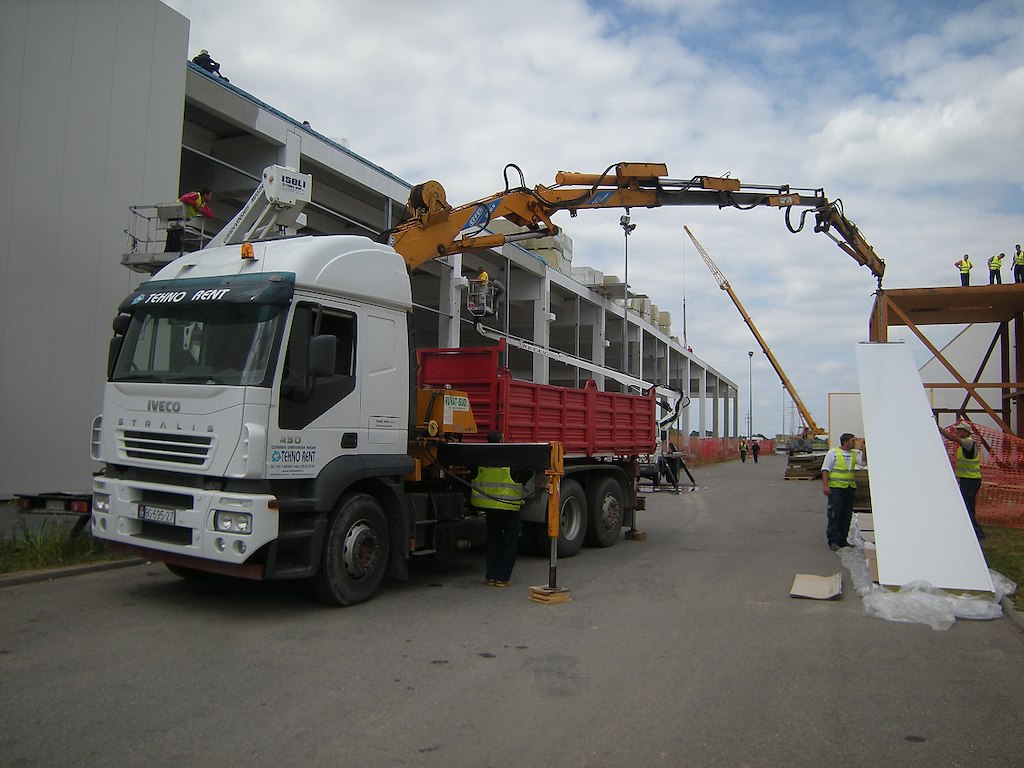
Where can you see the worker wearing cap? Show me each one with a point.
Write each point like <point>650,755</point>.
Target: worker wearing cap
<point>964,265</point>
<point>1018,265</point>
<point>840,487</point>
<point>967,468</point>
<point>995,266</point>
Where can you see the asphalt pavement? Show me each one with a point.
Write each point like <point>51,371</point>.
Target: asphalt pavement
<point>683,649</point>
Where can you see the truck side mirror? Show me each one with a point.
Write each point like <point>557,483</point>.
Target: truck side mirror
<point>121,323</point>
<point>112,350</point>
<point>120,326</point>
<point>320,356</point>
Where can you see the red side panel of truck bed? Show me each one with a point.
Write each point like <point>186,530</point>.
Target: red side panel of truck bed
<point>586,421</point>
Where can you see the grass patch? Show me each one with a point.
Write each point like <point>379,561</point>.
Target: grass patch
<point>1004,552</point>
<point>50,545</point>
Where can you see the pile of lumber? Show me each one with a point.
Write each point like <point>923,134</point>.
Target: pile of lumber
<point>804,466</point>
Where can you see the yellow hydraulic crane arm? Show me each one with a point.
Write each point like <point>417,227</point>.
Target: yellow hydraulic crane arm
<point>724,285</point>
<point>433,228</point>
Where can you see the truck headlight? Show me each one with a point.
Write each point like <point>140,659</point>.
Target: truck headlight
<point>232,522</point>
<point>101,502</point>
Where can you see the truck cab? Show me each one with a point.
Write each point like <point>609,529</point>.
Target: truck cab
<point>249,387</point>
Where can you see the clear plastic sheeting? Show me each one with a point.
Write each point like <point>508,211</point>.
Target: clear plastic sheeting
<point>918,602</point>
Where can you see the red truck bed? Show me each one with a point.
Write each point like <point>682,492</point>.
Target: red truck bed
<point>586,421</point>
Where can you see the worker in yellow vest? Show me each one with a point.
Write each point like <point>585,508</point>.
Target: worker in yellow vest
<point>196,203</point>
<point>964,265</point>
<point>995,266</point>
<point>500,495</point>
<point>967,468</point>
<point>840,487</point>
<point>1018,265</point>
<point>193,204</point>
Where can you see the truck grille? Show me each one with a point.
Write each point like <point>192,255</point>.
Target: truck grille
<point>167,447</point>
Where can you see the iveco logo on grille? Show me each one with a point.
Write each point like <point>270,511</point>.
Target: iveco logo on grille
<point>164,406</point>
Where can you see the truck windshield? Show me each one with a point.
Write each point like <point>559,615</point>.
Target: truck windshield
<point>230,344</point>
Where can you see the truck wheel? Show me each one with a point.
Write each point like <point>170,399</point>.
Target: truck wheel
<point>606,511</point>
<point>572,519</point>
<point>355,553</point>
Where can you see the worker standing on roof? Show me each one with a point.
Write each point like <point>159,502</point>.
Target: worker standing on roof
<point>1018,265</point>
<point>964,265</point>
<point>204,60</point>
<point>840,487</point>
<point>967,468</point>
<point>995,266</point>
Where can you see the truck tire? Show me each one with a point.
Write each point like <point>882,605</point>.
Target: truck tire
<point>572,523</point>
<point>572,518</point>
<point>355,553</point>
<point>606,511</point>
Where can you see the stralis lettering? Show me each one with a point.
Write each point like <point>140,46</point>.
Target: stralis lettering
<point>164,406</point>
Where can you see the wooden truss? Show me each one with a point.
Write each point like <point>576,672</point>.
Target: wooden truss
<point>999,305</point>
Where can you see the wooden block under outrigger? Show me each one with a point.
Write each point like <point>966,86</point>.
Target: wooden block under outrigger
<point>550,595</point>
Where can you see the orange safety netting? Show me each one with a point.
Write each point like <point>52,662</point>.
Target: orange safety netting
<point>712,450</point>
<point>1001,498</point>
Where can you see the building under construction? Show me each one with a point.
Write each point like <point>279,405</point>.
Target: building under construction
<point>109,116</point>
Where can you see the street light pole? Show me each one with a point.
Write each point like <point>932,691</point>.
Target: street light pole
<point>627,230</point>
<point>750,391</point>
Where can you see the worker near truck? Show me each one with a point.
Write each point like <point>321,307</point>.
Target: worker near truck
<point>967,468</point>
<point>995,266</point>
<point>840,488</point>
<point>964,265</point>
<point>195,204</point>
<point>1018,265</point>
<point>499,493</point>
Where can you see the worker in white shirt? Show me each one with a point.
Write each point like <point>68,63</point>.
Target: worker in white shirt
<point>840,487</point>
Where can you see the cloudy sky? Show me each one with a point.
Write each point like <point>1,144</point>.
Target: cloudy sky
<point>911,114</point>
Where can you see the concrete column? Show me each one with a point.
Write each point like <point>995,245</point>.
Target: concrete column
<point>599,338</point>
<point>542,321</point>
<point>451,294</point>
<point>702,413</point>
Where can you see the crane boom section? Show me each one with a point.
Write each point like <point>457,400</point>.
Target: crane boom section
<point>724,285</point>
<point>433,228</point>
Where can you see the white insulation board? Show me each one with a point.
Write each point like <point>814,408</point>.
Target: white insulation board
<point>922,531</point>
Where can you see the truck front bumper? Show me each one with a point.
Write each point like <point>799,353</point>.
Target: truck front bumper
<point>226,528</point>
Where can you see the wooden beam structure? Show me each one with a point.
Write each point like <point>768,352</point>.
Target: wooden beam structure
<point>998,305</point>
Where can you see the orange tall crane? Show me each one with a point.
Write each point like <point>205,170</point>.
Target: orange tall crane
<point>811,428</point>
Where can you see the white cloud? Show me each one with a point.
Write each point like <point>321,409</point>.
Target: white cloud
<point>911,115</point>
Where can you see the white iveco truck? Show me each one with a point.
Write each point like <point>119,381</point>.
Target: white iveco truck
<point>223,367</point>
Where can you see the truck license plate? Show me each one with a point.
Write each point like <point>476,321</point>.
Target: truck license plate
<point>156,514</point>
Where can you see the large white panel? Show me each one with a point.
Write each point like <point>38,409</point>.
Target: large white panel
<point>922,530</point>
